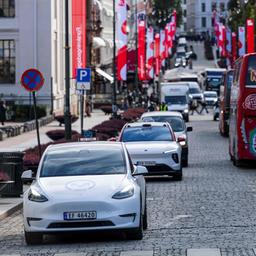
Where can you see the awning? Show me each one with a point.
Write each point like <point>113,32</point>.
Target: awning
<point>104,74</point>
<point>98,42</point>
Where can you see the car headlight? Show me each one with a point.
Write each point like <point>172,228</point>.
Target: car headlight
<point>36,195</point>
<point>186,111</point>
<point>126,192</point>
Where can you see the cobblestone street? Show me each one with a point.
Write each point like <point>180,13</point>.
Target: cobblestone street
<point>213,207</point>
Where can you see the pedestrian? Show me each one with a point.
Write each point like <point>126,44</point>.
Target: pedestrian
<point>204,107</point>
<point>88,109</point>
<point>151,107</point>
<point>163,107</point>
<point>194,107</point>
<point>2,112</point>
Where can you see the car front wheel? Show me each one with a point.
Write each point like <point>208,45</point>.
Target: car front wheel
<point>33,238</point>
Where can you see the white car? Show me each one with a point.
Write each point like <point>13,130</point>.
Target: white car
<point>153,145</point>
<point>85,186</point>
<point>210,97</point>
<point>175,119</point>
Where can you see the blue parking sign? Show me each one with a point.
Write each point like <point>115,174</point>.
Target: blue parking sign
<point>83,75</point>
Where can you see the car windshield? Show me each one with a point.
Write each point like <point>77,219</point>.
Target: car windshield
<point>210,95</point>
<point>176,122</point>
<point>215,82</point>
<point>179,100</point>
<point>152,133</point>
<point>74,162</point>
<point>180,54</point>
<point>194,90</point>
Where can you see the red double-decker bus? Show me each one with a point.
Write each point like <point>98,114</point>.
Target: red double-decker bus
<point>242,128</point>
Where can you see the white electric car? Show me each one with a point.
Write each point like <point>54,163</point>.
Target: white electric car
<point>153,145</point>
<point>85,186</point>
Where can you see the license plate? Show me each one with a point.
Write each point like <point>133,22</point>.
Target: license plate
<point>147,163</point>
<point>89,215</point>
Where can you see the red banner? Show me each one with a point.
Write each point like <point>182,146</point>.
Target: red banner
<point>241,41</point>
<point>150,53</point>
<point>157,53</point>
<point>250,35</point>
<point>166,42</point>
<point>234,46</point>
<point>141,50</point>
<point>78,35</point>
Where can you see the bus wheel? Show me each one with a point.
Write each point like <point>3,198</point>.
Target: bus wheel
<point>236,162</point>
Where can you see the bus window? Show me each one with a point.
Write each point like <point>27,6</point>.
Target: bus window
<point>251,72</point>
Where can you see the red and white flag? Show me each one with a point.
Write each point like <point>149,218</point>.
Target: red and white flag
<point>141,48</point>
<point>234,47</point>
<point>122,40</point>
<point>166,41</point>
<point>250,35</point>
<point>162,47</point>
<point>78,35</point>
<point>150,53</point>
<point>157,53</point>
<point>241,41</point>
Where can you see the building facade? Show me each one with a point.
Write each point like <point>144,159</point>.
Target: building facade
<point>32,34</point>
<point>200,12</point>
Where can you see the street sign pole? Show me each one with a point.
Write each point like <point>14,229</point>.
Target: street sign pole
<point>37,126</point>
<point>82,110</point>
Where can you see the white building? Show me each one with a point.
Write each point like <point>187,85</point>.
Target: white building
<point>183,26</point>
<point>200,12</point>
<point>32,36</point>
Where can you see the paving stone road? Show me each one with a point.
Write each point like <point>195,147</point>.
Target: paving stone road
<point>213,207</point>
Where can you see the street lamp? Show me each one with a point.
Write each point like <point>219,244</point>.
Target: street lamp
<point>114,107</point>
<point>67,78</point>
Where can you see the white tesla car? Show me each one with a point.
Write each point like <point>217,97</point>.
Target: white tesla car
<point>153,145</point>
<point>85,186</point>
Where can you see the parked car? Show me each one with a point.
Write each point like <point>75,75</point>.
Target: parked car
<point>153,145</point>
<point>210,97</point>
<point>178,125</point>
<point>81,187</point>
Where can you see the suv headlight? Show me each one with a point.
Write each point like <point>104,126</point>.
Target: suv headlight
<point>186,111</point>
<point>36,195</point>
<point>126,192</point>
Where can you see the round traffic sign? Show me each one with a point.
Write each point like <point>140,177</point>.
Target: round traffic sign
<point>32,80</point>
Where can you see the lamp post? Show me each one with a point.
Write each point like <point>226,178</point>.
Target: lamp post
<point>136,82</point>
<point>114,107</point>
<point>67,78</point>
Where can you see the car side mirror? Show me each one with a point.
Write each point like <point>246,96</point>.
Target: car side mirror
<point>189,129</point>
<point>27,176</point>
<point>140,170</point>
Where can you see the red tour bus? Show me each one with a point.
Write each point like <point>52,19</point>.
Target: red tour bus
<point>242,128</point>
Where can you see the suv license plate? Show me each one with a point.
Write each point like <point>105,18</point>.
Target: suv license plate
<point>88,215</point>
<point>146,163</point>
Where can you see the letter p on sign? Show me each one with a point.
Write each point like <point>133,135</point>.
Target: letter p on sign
<point>83,75</point>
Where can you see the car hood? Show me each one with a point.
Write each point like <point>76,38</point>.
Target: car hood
<point>91,187</point>
<point>152,147</point>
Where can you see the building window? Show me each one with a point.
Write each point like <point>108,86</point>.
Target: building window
<point>222,7</point>
<point>203,22</point>
<point>7,8</point>
<point>184,1</point>
<point>214,6</point>
<point>7,62</point>
<point>203,7</point>
<point>185,13</point>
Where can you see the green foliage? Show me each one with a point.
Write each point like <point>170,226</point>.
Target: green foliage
<point>163,11</point>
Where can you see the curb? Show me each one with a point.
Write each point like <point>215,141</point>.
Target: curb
<point>11,211</point>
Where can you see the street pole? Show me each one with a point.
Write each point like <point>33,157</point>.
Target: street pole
<point>82,111</point>
<point>67,78</point>
<point>114,107</point>
<point>136,47</point>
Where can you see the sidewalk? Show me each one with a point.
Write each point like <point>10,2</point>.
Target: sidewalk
<point>29,140</point>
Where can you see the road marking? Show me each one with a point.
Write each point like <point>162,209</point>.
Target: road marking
<point>71,254</point>
<point>137,253</point>
<point>203,252</point>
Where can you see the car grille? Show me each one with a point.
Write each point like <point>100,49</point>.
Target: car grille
<point>159,168</point>
<point>79,224</point>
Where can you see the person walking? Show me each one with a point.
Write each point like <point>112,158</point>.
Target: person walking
<point>204,107</point>
<point>2,112</point>
<point>194,107</point>
<point>163,107</point>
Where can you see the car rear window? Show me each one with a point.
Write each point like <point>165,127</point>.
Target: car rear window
<point>148,133</point>
<point>176,122</point>
<point>74,162</point>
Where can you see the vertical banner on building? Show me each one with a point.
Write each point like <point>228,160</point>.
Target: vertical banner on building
<point>170,42</point>
<point>174,20</point>
<point>141,47</point>
<point>162,49</point>
<point>228,41</point>
<point>157,53</point>
<point>233,47</point>
<point>250,35</point>
<point>241,41</point>
<point>150,53</point>
<point>78,35</point>
<point>166,41</point>
<point>121,28</point>
<point>224,43</point>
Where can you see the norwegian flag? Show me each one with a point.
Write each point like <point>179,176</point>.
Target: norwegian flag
<point>150,53</point>
<point>241,41</point>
